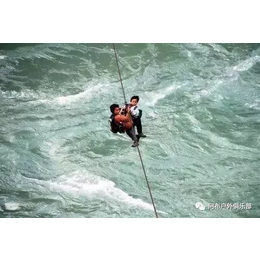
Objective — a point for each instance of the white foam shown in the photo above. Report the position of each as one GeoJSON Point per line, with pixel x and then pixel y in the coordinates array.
{"type": "Point", "coordinates": [189, 53]}
{"type": "Point", "coordinates": [10, 138]}
{"type": "Point", "coordinates": [152, 114]}
{"type": "Point", "coordinates": [54, 148]}
{"type": "Point", "coordinates": [12, 206]}
{"type": "Point", "coordinates": [66, 100]}
{"type": "Point", "coordinates": [207, 92]}
{"type": "Point", "coordinates": [97, 187]}
{"type": "Point", "coordinates": [192, 118]}
{"type": "Point", "coordinates": [93, 186]}
{"type": "Point", "coordinates": [255, 105]}
{"type": "Point", "coordinates": [27, 94]}
{"type": "Point", "coordinates": [218, 48]}
{"type": "Point", "coordinates": [153, 97]}
{"type": "Point", "coordinates": [231, 74]}
{"type": "Point", "coordinates": [2, 57]}
{"type": "Point", "coordinates": [247, 64]}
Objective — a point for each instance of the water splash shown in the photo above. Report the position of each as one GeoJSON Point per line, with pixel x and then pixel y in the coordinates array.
{"type": "Point", "coordinates": [2, 57]}
{"type": "Point", "coordinates": [91, 186]}
{"type": "Point", "coordinates": [247, 64]}
{"type": "Point", "coordinates": [12, 206]}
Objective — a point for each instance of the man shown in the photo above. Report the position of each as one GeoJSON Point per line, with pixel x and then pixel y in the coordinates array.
{"type": "Point", "coordinates": [122, 123]}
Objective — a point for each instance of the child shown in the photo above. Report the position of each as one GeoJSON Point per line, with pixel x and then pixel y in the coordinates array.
{"type": "Point", "coordinates": [136, 115]}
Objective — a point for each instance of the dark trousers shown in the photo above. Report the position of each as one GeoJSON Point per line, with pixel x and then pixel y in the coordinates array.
{"type": "Point", "coordinates": [131, 134]}
{"type": "Point", "coordinates": [138, 124]}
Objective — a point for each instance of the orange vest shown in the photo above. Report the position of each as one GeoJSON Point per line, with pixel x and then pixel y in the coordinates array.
{"type": "Point", "coordinates": [126, 121]}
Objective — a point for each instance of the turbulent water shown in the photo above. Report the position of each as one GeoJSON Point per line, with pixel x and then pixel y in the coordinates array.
{"type": "Point", "coordinates": [201, 114]}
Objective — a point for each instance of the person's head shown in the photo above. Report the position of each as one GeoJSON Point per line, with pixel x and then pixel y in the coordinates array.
{"type": "Point", "coordinates": [134, 100]}
{"type": "Point", "coordinates": [115, 109]}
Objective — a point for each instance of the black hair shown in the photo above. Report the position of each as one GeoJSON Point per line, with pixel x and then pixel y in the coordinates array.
{"type": "Point", "coordinates": [112, 107]}
{"type": "Point", "coordinates": [135, 97]}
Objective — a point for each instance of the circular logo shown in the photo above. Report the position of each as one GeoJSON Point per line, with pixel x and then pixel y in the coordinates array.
{"type": "Point", "coordinates": [200, 206]}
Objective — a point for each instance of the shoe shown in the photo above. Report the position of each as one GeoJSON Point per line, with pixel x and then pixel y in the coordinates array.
{"type": "Point", "coordinates": [142, 135]}
{"type": "Point", "coordinates": [135, 144]}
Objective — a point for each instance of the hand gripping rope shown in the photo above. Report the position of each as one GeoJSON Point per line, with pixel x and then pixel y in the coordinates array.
{"type": "Point", "coordinates": [155, 212]}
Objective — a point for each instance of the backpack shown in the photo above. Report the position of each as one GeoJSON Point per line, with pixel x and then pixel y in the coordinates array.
{"type": "Point", "coordinates": [114, 127]}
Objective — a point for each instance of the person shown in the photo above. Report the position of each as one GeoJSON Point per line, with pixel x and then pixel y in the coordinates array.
{"type": "Point", "coordinates": [122, 123]}
{"type": "Point", "coordinates": [136, 115]}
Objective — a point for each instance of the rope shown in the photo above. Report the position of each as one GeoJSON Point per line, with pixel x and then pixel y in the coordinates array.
{"type": "Point", "coordinates": [119, 73]}
{"type": "Point", "coordinates": [154, 208]}
{"type": "Point", "coordinates": [147, 182]}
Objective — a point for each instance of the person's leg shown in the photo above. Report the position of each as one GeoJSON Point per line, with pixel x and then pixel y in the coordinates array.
{"type": "Point", "coordinates": [138, 125]}
{"type": "Point", "coordinates": [131, 134]}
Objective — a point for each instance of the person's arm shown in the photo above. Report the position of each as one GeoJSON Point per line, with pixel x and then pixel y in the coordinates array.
{"type": "Point", "coordinates": [124, 119]}
{"type": "Point", "coordinates": [128, 115]}
{"type": "Point", "coordinates": [135, 111]}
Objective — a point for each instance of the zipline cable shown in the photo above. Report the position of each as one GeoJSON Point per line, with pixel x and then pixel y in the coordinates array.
{"type": "Point", "coordinates": [119, 73]}
{"type": "Point", "coordinates": [154, 208]}
{"type": "Point", "coordinates": [147, 182]}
